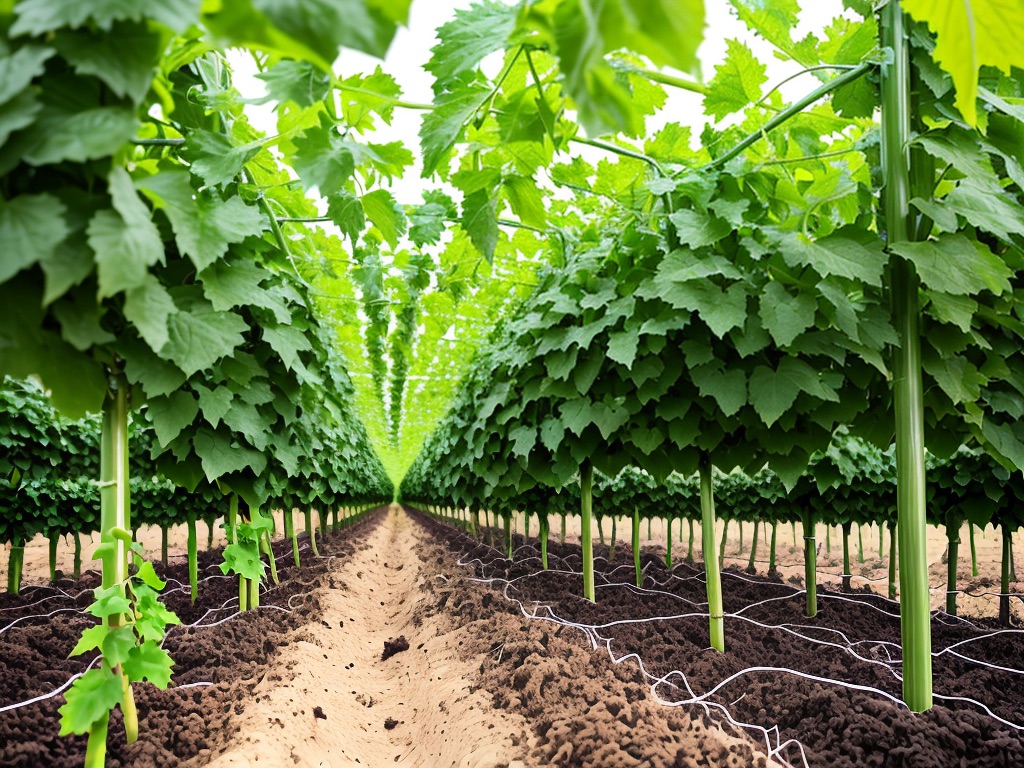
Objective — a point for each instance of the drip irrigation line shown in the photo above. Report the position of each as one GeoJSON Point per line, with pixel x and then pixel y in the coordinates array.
{"type": "Point", "coordinates": [591, 632]}
{"type": "Point", "coordinates": [55, 692]}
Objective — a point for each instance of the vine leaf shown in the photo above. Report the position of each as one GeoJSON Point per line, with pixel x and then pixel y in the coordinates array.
{"type": "Point", "coordinates": [171, 414]}
{"type": "Point", "coordinates": [442, 126]}
{"type": "Point", "coordinates": [89, 699]}
{"type": "Point", "coordinates": [149, 662]}
{"type": "Point", "coordinates": [956, 265]}
{"type": "Point", "coordinates": [198, 335]}
{"type": "Point", "coordinates": [203, 224]}
{"type": "Point", "coordinates": [148, 306]}
{"type": "Point", "coordinates": [31, 228]}
{"type": "Point", "coordinates": [970, 36]}
{"type": "Point", "coordinates": [125, 239]}
{"type": "Point", "coordinates": [466, 40]}
{"type": "Point", "coordinates": [300, 82]}
{"type": "Point", "coordinates": [480, 220]}
{"type": "Point", "coordinates": [737, 82]}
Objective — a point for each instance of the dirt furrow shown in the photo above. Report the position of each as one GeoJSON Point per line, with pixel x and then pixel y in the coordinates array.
{"type": "Point", "coordinates": [341, 704]}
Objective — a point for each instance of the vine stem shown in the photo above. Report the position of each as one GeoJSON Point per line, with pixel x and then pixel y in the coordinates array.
{"type": "Point", "coordinates": [792, 111]}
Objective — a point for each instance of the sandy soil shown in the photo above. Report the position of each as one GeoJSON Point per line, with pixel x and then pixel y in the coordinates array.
{"type": "Point", "coordinates": [332, 711]}
{"type": "Point", "coordinates": [873, 572]}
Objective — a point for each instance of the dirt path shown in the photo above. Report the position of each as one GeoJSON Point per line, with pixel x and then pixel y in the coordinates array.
{"type": "Point", "coordinates": [338, 697]}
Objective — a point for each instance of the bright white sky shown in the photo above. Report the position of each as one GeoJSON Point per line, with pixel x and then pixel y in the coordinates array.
{"type": "Point", "coordinates": [410, 50]}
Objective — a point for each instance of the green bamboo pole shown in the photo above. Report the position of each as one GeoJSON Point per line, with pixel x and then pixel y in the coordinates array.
{"type": "Point", "coordinates": [1004, 580]}
{"type": "Point", "coordinates": [881, 535]}
{"type": "Point", "coordinates": [311, 530]}
{"type": "Point", "coordinates": [115, 518]}
{"type": "Point", "coordinates": [210, 530]}
{"type": "Point", "coordinates": [689, 546]}
{"type": "Point", "coordinates": [751, 567]}
{"type": "Point", "coordinates": [974, 551]}
{"type": "Point", "coordinates": [611, 548]}
{"type": "Point", "coordinates": [508, 535]}
{"type": "Point", "coordinates": [952, 558]}
{"type": "Point", "coordinates": [649, 536]}
{"type": "Point", "coordinates": [771, 555]}
{"type": "Point", "coordinates": [860, 543]}
{"type": "Point", "coordinates": [600, 530]}
{"type": "Point", "coordinates": [54, 538]}
{"type": "Point", "coordinates": [231, 532]}
{"type": "Point", "coordinates": [725, 540]}
{"type": "Point", "coordinates": [712, 571]}
{"type": "Point", "coordinates": [545, 532]}
{"type": "Point", "coordinates": [828, 539]}
{"type": "Point", "coordinates": [908, 392]}
{"type": "Point", "coordinates": [76, 567]}
{"type": "Point", "coordinates": [562, 538]}
{"type": "Point", "coordinates": [586, 540]}
{"type": "Point", "coordinates": [163, 544]}
{"type": "Point", "coordinates": [740, 524]}
{"type": "Point", "coordinates": [893, 561]}
{"type": "Point", "coordinates": [193, 559]}
{"type": "Point", "coordinates": [793, 525]}
{"type": "Point", "coordinates": [289, 531]}
{"type": "Point", "coordinates": [636, 545]}
{"type": "Point", "coordinates": [668, 542]}
{"type": "Point", "coordinates": [268, 550]}
{"type": "Point", "coordinates": [810, 563]}
{"type": "Point", "coordinates": [846, 556]}
{"type": "Point", "coordinates": [15, 565]}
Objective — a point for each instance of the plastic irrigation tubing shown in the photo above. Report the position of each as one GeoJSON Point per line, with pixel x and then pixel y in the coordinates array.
{"type": "Point", "coordinates": [590, 631]}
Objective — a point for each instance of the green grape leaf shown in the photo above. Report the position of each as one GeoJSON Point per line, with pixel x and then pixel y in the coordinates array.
{"type": "Point", "coordinates": [987, 207]}
{"type": "Point", "coordinates": [17, 113]}
{"type": "Point", "coordinates": [786, 316]}
{"type": "Point", "coordinates": [970, 36]}
{"type": "Point", "coordinates": [385, 214]}
{"type": "Point", "coordinates": [214, 403]}
{"type": "Point", "coordinates": [171, 414]}
{"type": "Point", "coordinates": [474, 33]}
{"type": "Point", "coordinates": [288, 342]}
{"type": "Point", "coordinates": [243, 558]}
{"type": "Point", "coordinates": [956, 265]}
{"type": "Point", "coordinates": [153, 616]}
{"type": "Point", "coordinates": [219, 456]}
{"type": "Point", "coordinates": [148, 575]}
{"type": "Point", "coordinates": [91, 638]}
{"type": "Point", "coordinates": [214, 159]}
{"type": "Point", "coordinates": [845, 253]}
{"type": "Point", "coordinates": [346, 211]}
{"type": "Point", "coordinates": [721, 310]}
{"type": "Point", "coordinates": [86, 135]}
{"type": "Point", "coordinates": [737, 82]}
{"type": "Point", "coordinates": [148, 307]}
{"type": "Point", "coordinates": [117, 644]}
{"type": "Point", "coordinates": [204, 225]}
{"type": "Point", "coordinates": [728, 388]}
{"type": "Point", "coordinates": [622, 347]}
{"type": "Point", "coordinates": [89, 700]}
{"type": "Point", "coordinates": [442, 126]}
{"type": "Point", "coordinates": [18, 69]}
{"type": "Point", "coordinates": [125, 58]}
{"type": "Point", "coordinates": [480, 220]}
{"type": "Point", "coordinates": [323, 159]}
{"type": "Point", "coordinates": [427, 223]}
{"type": "Point", "coordinates": [31, 228]}
{"type": "Point", "coordinates": [298, 81]}
{"type": "Point", "coordinates": [110, 601]}
{"type": "Point", "coordinates": [522, 438]}
{"type": "Point", "coordinates": [199, 335]}
{"type": "Point", "coordinates": [125, 239]}
{"type": "Point", "coordinates": [36, 17]}
{"type": "Point", "coordinates": [697, 229]}
{"type": "Point", "coordinates": [772, 393]}
{"type": "Point", "coordinates": [149, 662]}
{"type": "Point", "coordinates": [526, 200]}
{"type": "Point", "coordinates": [327, 26]}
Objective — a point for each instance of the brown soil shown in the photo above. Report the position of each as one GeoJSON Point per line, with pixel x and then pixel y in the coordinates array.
{"type": "Point", "coordinates": [219, 660]}
{"type": "Point", "coordinates": [819, 723]}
